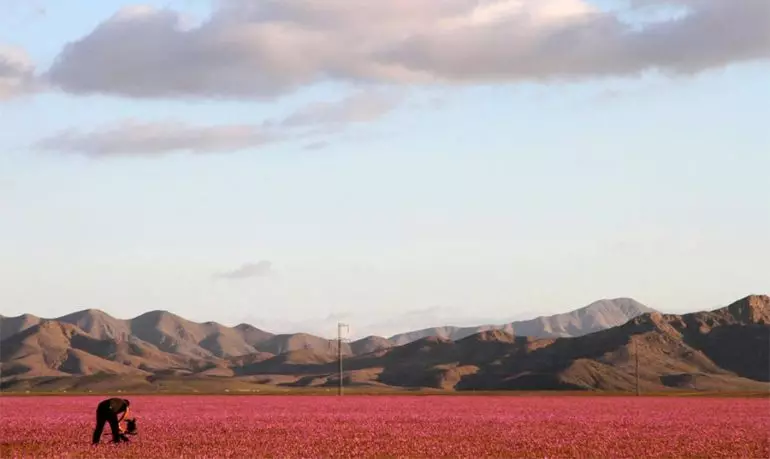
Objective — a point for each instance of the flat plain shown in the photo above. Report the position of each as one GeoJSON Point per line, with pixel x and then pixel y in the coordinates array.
{"type": "Point", "coordinates": [394, 426]}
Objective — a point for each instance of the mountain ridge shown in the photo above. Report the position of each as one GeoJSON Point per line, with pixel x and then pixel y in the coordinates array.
{"type": "Point", "coordinates": [600, 314]}
{"type": "Point", "coordinates": [102, 324]}
{"type": "Point", "coordinates": [724, 344]}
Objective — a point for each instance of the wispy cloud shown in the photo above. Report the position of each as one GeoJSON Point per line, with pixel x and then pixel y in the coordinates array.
{"type": "Point", "coordinates": [361, 107]}
{"type": "Point", "coordinates": [247, 271]}
{"type": "Point", "coordinates": [320, 145]}
{"type": "Point", "coordinates": [149, 139]}
{"type": "Point", "coordinates": [153, 139]}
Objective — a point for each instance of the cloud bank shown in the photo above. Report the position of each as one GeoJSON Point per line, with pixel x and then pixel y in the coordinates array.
{"type": "Point", "coordinates": [266, 48]}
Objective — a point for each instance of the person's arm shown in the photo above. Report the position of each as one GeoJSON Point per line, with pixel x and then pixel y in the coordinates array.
{"type": "Point", "coordinates": [123, 418]}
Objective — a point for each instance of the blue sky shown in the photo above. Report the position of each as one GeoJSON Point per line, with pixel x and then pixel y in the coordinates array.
{"type": "Point", "coordinates": [468, 177]}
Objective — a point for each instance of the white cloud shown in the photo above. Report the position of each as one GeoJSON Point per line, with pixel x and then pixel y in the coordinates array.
{"type": "Point", "coordinates": [261, 48]}
{"type": "Point", "coordinates": [569, 43]}
{"type": "Point", "coordinates": [17, 72]}
{"type": "Point", "coordinates": [266, 48]}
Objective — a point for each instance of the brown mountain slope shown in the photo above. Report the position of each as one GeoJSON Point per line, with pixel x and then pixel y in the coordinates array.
{"type": "Point", "coordinates": [295, 362]}
{"type": "Point", "coordinates": [599, 315]}
{"type": "Point", "coordinates": [252, 335]}
{"type": "Point", "coordinates": [37, 351]}
{"type": "Point", "coordinates": [98, 324]}
{"type": "Point", "coordinates": [170, 334]}
{"type": "Point", "coordinates": [369, 344]}
{"type": "Point", "coordinates": [55, 348]}
{"type": "Point", "coordinates": [671, 349]}
{"type": "Point", "coordinates": [9, 326]}
{"type": "Point", "coordinates": [283, 343]}
{"type": "Point", "coordinates": [737, 338]}
{"type": "Point", "coordinates": [162, 329]}
{"type": "Point", "coordinates": [174, 334]}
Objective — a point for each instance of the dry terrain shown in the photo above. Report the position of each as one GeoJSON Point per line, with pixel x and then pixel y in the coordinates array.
{"type": "Point", "coordinates": [727, 349]}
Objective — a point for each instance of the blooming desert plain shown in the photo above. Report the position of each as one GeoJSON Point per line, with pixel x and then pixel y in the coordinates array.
{"type": "Point", "coordinates": [395, 426]}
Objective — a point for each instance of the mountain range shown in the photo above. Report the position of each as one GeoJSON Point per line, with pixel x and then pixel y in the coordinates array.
{"type": "Point", "coordinates": [594, 347]}
{"type": "Point", "coordinates": [594, 317]}
{"type": "Point", "coordinates": [172, 333]}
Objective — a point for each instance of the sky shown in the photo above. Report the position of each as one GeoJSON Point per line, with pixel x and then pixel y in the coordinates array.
{"type": "Point", "coordinates": [392, 165]}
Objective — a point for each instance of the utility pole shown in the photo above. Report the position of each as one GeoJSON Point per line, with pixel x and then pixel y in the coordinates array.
{"type": "Point", "coordinates": [340, 326]}
{"type": "Point", "coordinates": [636, 356]}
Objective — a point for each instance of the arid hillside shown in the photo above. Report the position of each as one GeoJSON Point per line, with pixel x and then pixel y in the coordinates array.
{"type": "Point", "coordinates": [727, 349]}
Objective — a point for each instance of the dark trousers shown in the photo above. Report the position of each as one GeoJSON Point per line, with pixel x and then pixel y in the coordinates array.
{"type": "Point", "coordinates": [102, 417]}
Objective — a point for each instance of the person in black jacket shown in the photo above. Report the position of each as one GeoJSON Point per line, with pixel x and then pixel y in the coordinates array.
{"type": "Point", "coordinates": [107, 412]}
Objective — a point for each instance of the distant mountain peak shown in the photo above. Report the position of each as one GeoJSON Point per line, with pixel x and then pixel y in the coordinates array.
{"type": "Point", "coordinates": [86, 313]}
{"type": "Point", "coordinates": [759, 302]}
{"type": "Point", "coordinates": [244, 327]}
{"type": "Point", "coordinates": [751, 309]}
{"type": "Point", "coordinates": [156, 313]}
{"type": "Point", "coordinates": [629, 306]}
{"type": "Point", "coordinates": [599, 315]}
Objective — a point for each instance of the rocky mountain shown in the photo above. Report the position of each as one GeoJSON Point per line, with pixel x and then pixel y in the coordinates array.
{"type": "Point", "coordinates": [596, 316]}
{"type": "Point", "coordinates": [167, 332]}
{"type": "Point", "coordinates": [157, 341]}
{"type": "Point", "coordinates": [723, 349]}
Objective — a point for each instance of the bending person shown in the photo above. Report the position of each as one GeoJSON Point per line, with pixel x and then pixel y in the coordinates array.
{"type": "Point", "coordinates": [107, 412]}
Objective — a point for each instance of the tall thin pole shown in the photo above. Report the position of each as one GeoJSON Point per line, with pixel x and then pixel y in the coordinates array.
{"type": "Point", "coordinates": [339, 353]}
{"type": "Point", "coordinates": [636, 355]}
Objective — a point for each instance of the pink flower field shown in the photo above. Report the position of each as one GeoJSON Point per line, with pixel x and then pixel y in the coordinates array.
{"type": "Point", "coordinates": [394, 426]}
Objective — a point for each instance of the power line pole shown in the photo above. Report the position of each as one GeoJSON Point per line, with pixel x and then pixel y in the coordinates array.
{"type": "Point", "coordinates": [636, 356]}
{"type": "Point", "coordinates": [340, 326]}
